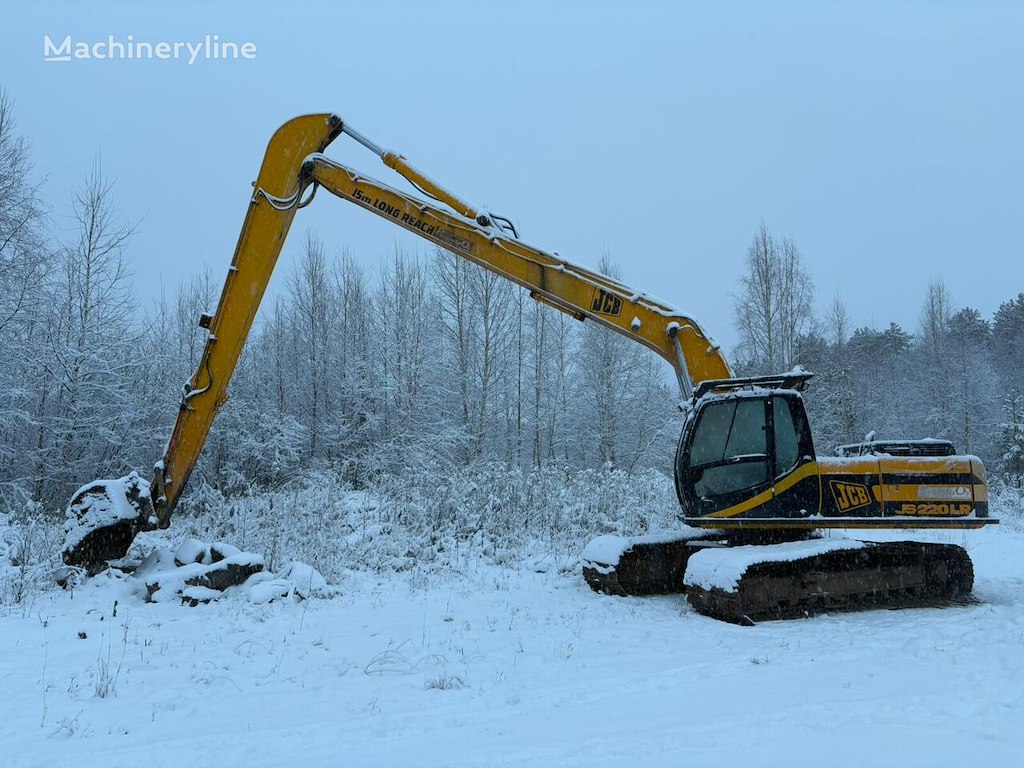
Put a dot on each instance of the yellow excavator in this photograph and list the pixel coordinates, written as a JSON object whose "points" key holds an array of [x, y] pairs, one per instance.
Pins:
{"points": [[753, 491]]}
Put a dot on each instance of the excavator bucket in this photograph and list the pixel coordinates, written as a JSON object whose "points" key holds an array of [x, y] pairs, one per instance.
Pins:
{"points": [[103, 518]]}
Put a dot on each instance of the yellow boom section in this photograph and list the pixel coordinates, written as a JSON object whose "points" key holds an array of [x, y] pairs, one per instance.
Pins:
{"points": [[259, 244], [294, 163]]}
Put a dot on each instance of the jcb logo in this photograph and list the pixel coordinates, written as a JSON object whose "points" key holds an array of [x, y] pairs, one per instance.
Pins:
{"points": [[607, 303], [849, 495]]}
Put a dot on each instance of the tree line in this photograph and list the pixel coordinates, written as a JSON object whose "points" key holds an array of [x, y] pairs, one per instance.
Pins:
{"points": [[957, 377]]}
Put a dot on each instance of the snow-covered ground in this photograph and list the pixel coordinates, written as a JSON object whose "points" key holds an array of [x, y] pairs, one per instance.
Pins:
{"points": [[510, 666]]}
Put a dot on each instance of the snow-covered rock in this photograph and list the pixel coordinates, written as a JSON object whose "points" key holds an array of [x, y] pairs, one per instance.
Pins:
{"points": [[227, 572], [191, 551], [200, 572]]}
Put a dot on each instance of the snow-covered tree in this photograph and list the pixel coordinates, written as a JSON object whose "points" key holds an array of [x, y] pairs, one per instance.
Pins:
{"points": [[92, 365], [1011, 436], [622, 403], [775, 305], [1008, 341], [972, 381], [24, 258]]}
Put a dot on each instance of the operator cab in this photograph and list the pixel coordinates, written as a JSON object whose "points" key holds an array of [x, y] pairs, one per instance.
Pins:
{"points": [[741, 438]]}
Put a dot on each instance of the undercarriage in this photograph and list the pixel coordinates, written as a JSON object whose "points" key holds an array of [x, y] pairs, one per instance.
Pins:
{"points": [[743, 583]]}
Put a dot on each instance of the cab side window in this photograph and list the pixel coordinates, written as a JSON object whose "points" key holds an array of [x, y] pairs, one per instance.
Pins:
{"points": [[787, 441]]}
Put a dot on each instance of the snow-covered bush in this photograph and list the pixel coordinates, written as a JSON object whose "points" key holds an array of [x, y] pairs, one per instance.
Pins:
{"points": [[432, 516], [509, 507], [29, 543], [1006, 500]]}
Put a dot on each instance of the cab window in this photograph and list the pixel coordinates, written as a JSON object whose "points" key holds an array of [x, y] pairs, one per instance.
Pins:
{"points": [[729, 449]]}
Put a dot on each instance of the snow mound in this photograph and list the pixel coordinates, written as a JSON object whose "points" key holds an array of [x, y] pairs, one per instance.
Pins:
{"points": [[723, 567], [306, 580], [549, 562], [193, 551], [157, 561], [265, 587]]}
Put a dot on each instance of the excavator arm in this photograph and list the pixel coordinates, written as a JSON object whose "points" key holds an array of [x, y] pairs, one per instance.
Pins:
{"points": [[292, 171]]}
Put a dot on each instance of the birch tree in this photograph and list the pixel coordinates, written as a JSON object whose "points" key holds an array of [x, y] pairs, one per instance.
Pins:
{"points": [[774, 306], [311, 298], [92, 336]]}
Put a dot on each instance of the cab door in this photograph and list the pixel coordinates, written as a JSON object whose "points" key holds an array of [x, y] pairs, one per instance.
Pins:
{"points": [[796, 484]]}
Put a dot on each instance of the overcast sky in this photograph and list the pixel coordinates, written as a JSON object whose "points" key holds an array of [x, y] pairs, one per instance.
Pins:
{"points": [[885, 139]]}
